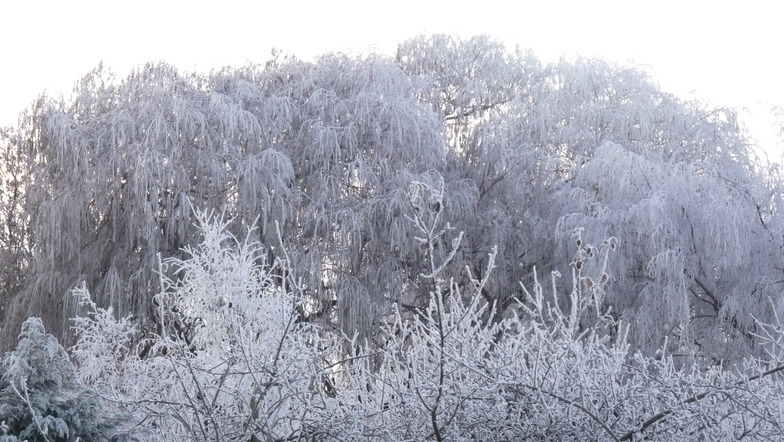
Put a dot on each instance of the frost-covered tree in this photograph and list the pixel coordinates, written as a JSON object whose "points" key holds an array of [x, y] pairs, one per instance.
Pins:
{"points": [[699, 255], [521, 154], [42, 399], [593, 145], [14, 233], [320, 147]]}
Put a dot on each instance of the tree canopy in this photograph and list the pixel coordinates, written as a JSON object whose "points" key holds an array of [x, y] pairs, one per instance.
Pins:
{"points": [[328, 158]]}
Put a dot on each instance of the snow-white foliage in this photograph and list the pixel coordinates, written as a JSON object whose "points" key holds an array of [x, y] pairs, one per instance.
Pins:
{"points": [[698, 263], [232, 359], [523, 153], [249, 368]]}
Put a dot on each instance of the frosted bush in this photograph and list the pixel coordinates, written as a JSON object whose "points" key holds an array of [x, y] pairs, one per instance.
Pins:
{"points": [[231, 360], [235, 361]]}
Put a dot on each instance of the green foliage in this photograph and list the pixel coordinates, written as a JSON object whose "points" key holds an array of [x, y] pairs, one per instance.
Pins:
{"points": [[41, 398]]}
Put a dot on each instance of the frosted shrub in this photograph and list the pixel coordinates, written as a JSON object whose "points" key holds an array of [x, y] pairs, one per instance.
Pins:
{"points": [[234, 360], [231, 361], [559, 368], [457, 372]]}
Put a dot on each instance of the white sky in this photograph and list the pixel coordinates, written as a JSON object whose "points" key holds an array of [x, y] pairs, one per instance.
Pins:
{"points": [[723, 52]]}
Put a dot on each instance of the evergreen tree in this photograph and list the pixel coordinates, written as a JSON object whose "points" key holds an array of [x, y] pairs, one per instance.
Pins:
{"points": [[41, 397]]}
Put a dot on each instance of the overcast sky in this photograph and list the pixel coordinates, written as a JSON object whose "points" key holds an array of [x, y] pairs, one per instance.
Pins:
{"points": [[723, 52]]}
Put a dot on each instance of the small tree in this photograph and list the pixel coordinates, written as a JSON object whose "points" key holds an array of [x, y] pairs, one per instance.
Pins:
{"points": [[42, 399]]}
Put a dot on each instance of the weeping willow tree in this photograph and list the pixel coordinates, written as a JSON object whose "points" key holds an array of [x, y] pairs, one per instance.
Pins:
{"points": [[321, 148], [323, 154], [14, 233], [587, 144]]}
